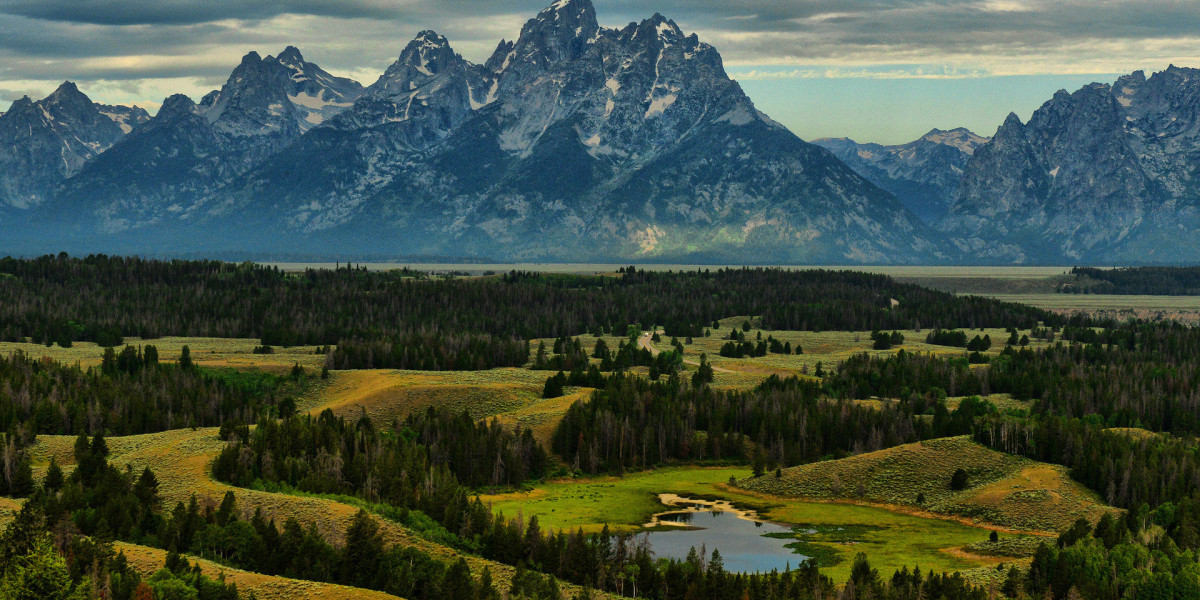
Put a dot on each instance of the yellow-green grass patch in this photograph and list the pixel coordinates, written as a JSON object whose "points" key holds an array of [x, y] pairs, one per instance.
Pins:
{"points": [[826, 347], [206, 352], [1002, 491], [1134, 432], [388, 395], [8, 508], [543, 415], [1003, 402]]}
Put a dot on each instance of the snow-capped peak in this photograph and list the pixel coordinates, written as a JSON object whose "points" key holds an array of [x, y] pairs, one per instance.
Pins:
{"points": [[51, 139], [429, 53], [666, 30], [567, 9], [291, 57], [278, 94]]}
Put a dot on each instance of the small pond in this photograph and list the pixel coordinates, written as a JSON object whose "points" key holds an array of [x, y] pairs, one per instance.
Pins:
{"points": [[717, 526]]}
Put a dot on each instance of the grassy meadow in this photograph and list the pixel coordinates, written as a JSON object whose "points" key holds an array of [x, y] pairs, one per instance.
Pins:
{"points": [[834, 531], [206, 352], [1002, 490]]}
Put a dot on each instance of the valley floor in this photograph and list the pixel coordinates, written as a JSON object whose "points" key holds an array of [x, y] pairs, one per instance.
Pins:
{"points": [[893, 534]]}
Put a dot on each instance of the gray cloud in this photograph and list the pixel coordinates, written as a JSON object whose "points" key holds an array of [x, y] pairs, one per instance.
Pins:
{"points": [[201, 40], [180, 12], [12, 95]]}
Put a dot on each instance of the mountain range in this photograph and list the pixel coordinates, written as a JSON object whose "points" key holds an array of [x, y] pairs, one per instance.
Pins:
{"points": [[44, 143], [576, 142], [1107, 174], [923, 174]]}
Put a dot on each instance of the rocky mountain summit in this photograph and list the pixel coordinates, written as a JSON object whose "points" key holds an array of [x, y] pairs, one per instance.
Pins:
{"points": [[43, 143], [1107, 174], [923, 174], [175, 165]]}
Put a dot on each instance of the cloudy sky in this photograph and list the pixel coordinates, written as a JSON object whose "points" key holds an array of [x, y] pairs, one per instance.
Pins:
{"points": [[874, 70]]}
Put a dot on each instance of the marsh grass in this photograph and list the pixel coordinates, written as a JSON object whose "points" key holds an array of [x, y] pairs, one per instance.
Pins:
{"points": [[891, 538]]}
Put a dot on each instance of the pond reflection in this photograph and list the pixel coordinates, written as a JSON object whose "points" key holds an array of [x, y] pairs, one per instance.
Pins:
{"points": [[742, 542]]}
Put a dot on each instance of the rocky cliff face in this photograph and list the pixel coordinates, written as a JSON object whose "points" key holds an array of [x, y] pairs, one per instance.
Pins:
{"points": [[175, 166], [922, 174], [43, 143], [1105, 174]]}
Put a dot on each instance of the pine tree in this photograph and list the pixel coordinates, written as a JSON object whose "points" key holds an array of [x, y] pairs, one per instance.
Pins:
{"points": [[456, 583], [54, 477], [704, 373], [363, 551], [958, 481], [22, 483], [759, 462], [487, 587]]}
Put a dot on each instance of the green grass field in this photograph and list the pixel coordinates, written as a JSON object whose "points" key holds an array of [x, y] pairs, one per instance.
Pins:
{"points": [[622, 502], [891, 538]]}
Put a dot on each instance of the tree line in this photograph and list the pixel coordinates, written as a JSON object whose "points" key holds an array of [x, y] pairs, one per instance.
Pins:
{"points": [[1156, 281], [430, 350], [1135, 376], [435, 452], [959, 338], [129, 393], [633, 423], [102, 299]]}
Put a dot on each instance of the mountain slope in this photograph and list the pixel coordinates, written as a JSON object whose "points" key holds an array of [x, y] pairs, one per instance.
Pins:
{"points": [[1105, 174], [175, 164], [922, 174], [573, 142], [42, 143]]}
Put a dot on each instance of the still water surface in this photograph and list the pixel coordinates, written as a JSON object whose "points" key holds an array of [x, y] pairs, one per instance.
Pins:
{"points": [[740, 540]]}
